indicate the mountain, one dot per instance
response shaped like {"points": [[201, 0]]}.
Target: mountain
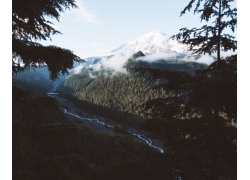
{"points": [[155, 44], [152, 43]]}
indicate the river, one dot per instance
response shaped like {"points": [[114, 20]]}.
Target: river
{"points": [[101, 124], [154, 143], [131, 131]]}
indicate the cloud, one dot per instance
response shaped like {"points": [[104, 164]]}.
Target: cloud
{"points": [[78, 69], [114, 63], [205, 59], [158, 56], [227, 53], [84, 14]]}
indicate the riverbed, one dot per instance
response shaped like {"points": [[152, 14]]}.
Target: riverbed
{"points": [[104, 125]]}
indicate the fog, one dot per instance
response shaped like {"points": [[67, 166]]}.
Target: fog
{"points": [[115, 63], [159, 56]]}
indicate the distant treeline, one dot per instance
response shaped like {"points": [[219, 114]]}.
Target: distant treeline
{"points": [[36, 81]]}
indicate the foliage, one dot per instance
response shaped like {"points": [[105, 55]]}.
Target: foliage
{"points": [[119, 96], [198, 120], [29, 24], [46, 145], [207, 93], [210, 38]]}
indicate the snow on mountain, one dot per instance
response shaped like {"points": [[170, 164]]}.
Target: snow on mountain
{"points": [[152, 43], [155, 45]]}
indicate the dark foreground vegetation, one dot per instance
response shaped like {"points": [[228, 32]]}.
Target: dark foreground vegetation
{"points": [[48, 146]]}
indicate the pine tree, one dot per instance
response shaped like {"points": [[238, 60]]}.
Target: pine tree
{"points": [[210, 38], [29, 25], [200, 114]]}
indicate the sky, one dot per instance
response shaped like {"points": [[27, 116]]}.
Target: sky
{"points": [[99, 26]]}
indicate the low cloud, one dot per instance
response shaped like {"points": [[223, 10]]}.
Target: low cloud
{"points": [[78, 69], [224, 54], [158, 56], [114, 63], [209, 59], [205, 59]]}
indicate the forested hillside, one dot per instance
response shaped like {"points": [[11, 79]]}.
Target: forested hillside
{"points": [[120, 96], [36, 80]]}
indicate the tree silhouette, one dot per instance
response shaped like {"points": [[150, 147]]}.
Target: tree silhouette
{"points": [[198, 119], [210, 38], [29, 24]]}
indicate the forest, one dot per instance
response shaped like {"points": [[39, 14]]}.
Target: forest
{"points": [[137, 100], [120, 96], [191, 107]]}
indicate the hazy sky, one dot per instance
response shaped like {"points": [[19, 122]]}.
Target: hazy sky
{"points": [[99, 26]]}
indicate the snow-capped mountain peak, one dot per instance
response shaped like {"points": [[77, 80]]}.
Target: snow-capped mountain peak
{"points": [[152, 43]]}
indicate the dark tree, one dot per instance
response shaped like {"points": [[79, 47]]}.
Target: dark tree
{"points": [[29, 25], [210, 38], [198, 119]]}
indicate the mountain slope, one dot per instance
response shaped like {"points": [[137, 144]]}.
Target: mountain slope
{"points": [[152, 43]]}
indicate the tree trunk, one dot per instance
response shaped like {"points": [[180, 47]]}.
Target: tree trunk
{"points": [[219, 35]]}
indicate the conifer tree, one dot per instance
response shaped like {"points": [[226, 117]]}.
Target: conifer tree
{"points": [[210, 38], [29, 25], [200, 114]]}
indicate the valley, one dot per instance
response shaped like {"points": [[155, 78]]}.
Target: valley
{"points": [[105, 125], [79, 93], [115, 111]]}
